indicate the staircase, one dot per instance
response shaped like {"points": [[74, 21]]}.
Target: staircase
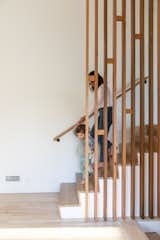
{"points": [[72, 195]]}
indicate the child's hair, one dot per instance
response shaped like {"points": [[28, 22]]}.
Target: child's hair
{"points": [[100, 78], [80, 129]]}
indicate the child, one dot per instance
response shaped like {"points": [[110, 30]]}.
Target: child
{"points": [[80, 133]]}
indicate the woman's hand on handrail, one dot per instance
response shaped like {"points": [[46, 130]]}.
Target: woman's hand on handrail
{"points": [[81, 120]]}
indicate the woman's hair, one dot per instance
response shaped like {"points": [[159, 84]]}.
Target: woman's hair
{"points": [[100, 78], [80, 129]]}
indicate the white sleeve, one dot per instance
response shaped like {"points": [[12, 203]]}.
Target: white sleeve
{"points": [[92, 105], [100, 99], [109, 100], [101, 96]]}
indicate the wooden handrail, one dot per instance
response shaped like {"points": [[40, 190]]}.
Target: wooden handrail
{"points": [[57, 138], [129, 88]]}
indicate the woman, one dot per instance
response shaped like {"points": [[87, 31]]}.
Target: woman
{"points": [[100, 110]]}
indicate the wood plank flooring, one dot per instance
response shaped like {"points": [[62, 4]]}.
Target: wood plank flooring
{"points": [[24, 212], [28, 209]]}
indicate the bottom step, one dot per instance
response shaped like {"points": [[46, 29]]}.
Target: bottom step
{"points": [[68, 195]]}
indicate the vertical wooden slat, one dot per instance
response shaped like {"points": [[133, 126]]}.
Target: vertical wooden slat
{"points": [[151, 183], [133, 77], [142, 109], [96, 115], [105, 120], [124, 109], [158, 52], [114, 110], [87, 109]]}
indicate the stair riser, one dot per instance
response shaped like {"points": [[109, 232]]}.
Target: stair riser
{"points": [[79, 211]]}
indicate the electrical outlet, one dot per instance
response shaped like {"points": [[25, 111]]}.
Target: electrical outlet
{"points": [[12, 178]]}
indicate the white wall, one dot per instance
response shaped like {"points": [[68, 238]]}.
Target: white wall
{"points": [[42, 58], [41, 73]]}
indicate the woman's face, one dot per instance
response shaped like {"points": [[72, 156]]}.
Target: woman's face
{"points": [[91, 85]]}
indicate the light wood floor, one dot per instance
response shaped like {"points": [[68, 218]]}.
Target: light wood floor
{"points": [[35, 210], [28, 209], [32, 211]]}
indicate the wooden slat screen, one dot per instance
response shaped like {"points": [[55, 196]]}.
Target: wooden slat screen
{"points": [[136, 36]]}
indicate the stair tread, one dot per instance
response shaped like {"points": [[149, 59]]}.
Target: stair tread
{"points": [[137, 146], [153, 236], [128, 158], [146, 130], [109, 172], [68, 194], [80, 186], [137, 150]]}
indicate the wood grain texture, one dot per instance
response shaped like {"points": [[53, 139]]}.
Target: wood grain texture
{"points": [[68, 194], [81, 187], [96, 153], [29, 210], [35, 228], [124, 109], [114, 118], [105, 115], [87, 111], [142, 107], [151, 166]]}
